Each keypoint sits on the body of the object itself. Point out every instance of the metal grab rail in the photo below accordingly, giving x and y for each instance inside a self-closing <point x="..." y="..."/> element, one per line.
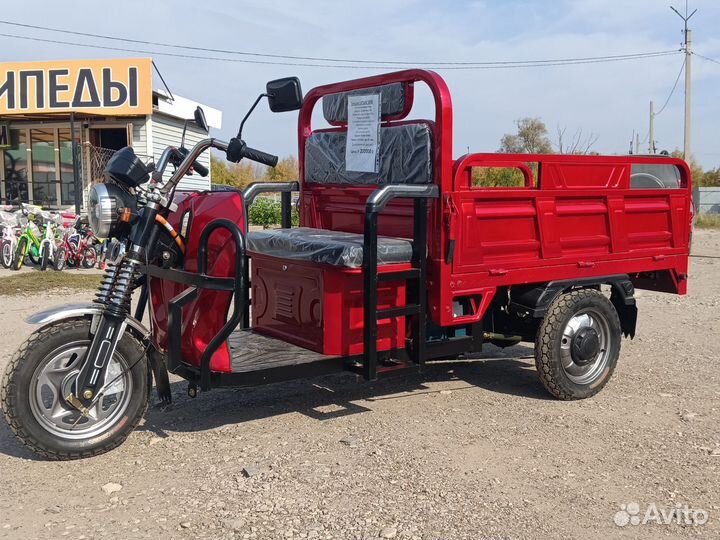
<point x="285" y="188"/>
<point x="249" y="194"/>
<point x="376" y="203"/>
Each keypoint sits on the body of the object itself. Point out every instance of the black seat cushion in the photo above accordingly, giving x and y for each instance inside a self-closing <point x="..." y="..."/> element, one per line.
<point x="326" y="247"/>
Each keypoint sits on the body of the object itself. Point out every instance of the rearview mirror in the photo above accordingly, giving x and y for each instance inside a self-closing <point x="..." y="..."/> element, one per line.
<point x="200" y="119"/>
<point x="284" y="94"/>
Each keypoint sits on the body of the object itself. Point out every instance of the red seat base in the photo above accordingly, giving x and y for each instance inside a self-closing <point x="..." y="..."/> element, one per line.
<point x="320" y="307"/>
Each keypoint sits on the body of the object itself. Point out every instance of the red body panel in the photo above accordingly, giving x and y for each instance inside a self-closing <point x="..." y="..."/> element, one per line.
<point x="204" y="317"/>
<point x="320" y="307"/>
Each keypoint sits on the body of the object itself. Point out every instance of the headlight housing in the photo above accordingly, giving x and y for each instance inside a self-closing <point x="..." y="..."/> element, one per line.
<point x="106" y="206"/>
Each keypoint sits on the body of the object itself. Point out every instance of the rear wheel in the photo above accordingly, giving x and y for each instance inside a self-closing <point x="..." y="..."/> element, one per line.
<point x="42" y="374"/>
<point x="6" y="254"/>
<point x="578" y="344"/>
<point x="44" y="257"/>
<point x="20" y="252"/>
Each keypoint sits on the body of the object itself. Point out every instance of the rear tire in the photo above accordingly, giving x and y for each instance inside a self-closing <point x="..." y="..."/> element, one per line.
<point x="47" y="428"/>
<point x="20" y="252"/>
<point x="44" y="257"/>
<point x="578" y="344"/>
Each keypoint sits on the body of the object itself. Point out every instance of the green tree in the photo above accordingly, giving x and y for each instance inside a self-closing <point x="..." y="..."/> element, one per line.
<point x="285" y="171"/>
<point x="531" y="138"/>
<point x="234" y="174"/>
<point x="710" y="178"/>
<point x="698" y="176"/>
<point x="266" y="212"/>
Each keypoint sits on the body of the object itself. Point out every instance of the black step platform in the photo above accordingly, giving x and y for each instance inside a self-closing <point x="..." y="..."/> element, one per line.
<point x="251" y="352"/>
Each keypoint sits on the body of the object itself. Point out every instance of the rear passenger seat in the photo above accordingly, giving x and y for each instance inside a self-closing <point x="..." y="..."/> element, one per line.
<point x="406" y="157"/>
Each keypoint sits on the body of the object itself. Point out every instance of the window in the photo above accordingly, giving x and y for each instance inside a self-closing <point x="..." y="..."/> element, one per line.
<point x="67" y="179"/>
<point x="655" y="176"/>
<point x="16" y="168"/>
<point x="44" y="175"/>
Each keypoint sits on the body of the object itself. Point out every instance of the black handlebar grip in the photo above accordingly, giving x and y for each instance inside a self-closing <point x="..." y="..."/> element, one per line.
<point x="201" y="169"/>
<point x="260" y="157"/>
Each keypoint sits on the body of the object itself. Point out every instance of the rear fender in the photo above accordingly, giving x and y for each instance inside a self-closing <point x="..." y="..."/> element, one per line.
<point x="535" y="300"/>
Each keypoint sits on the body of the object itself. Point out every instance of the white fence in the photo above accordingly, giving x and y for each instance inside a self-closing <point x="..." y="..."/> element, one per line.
<point x="707" y="200"/>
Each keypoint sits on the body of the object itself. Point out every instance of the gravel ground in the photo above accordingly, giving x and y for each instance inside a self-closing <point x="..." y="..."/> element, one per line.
<point x="470" y="450"/>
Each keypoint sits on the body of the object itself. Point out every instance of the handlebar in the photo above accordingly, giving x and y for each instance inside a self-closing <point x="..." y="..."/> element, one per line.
<point x="237" y="150"/>
<point x="189" y="160"/>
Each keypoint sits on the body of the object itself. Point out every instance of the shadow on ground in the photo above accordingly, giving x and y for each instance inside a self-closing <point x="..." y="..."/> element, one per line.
<point x="509" y="371"/>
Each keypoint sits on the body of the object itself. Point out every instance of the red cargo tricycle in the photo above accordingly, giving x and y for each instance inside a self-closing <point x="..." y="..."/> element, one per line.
<point x="401" y="258"/>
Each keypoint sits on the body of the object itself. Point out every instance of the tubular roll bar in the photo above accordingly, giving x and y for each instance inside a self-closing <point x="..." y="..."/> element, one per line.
<point x="416" y="302"/>
<point x="201" y="280"/>
<point x="249" y="195"/>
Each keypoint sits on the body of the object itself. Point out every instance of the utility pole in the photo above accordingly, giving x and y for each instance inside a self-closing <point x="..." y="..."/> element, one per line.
<point x="637" y="143"/>
<point x="651" y="133"/>
<point x="687" y="47"/>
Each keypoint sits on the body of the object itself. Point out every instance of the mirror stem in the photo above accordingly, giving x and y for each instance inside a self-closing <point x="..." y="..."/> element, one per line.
<point x="242" y="124"/>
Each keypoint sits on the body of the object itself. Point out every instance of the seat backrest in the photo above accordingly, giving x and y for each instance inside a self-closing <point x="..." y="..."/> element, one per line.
<point x="405" y="149"/>
<point x="334" y="198"/>
<point x="405" y="157"/>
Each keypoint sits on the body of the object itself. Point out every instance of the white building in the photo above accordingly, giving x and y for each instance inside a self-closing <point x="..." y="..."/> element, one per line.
<point x="108" y="104"/>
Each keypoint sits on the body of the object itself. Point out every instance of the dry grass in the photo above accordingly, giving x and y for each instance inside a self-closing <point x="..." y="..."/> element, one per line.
<point x="708" y="221"/>
<point x="41" y="282"/>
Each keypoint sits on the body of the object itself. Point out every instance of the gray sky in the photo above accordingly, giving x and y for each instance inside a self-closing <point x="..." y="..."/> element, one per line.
<point x="609" y="100"/>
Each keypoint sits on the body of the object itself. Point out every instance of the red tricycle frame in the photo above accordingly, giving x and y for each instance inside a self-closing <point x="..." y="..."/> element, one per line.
<point x="577" y="222"/>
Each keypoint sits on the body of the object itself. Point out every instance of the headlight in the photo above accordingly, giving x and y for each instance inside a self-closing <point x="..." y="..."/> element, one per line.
<point x="104" y="202"/>
<point x="102" y="210"/>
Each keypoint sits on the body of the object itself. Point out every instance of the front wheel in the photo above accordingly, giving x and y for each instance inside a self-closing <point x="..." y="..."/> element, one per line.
<point x="6" y="254"/>
<point x="20" y="253"/>
<point x="578" y="344"/>
<point x="89" y="257"/>
<point x="40" y="377"/>
<point x="60" y="259"/>
<point x="44" y="257"/>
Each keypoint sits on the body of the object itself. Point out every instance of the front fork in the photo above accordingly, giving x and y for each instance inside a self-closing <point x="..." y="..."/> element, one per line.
<point x="115" y="296"/>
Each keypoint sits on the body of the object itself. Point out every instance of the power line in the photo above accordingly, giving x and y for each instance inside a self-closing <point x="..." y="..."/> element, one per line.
<point x="525" y="64"/>
<point x="522" y="63"/>
<point x="706" y="58"/>
<point x="682" y="68"/>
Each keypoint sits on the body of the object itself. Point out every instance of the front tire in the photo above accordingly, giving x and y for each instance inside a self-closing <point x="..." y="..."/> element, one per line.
<point x="6" y="254"/>
<point x="89" y="258"/>
<point x="20" y="252"/>
<point x="44" y="258"/>
<point x="60" y="259"/>
<point x="41" y="374"/>
<point x="578" y="344"/>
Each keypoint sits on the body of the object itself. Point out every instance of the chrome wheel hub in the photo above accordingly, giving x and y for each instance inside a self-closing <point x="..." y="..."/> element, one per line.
<point x="54" y="381"/>
<point x="585" y="346"/>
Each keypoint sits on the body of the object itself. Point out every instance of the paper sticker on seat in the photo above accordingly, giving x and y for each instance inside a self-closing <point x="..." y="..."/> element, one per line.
<point x="363" y="134"/>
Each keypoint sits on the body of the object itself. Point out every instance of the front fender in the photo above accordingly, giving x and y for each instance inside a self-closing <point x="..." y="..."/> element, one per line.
<point x="74" y="311"/>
